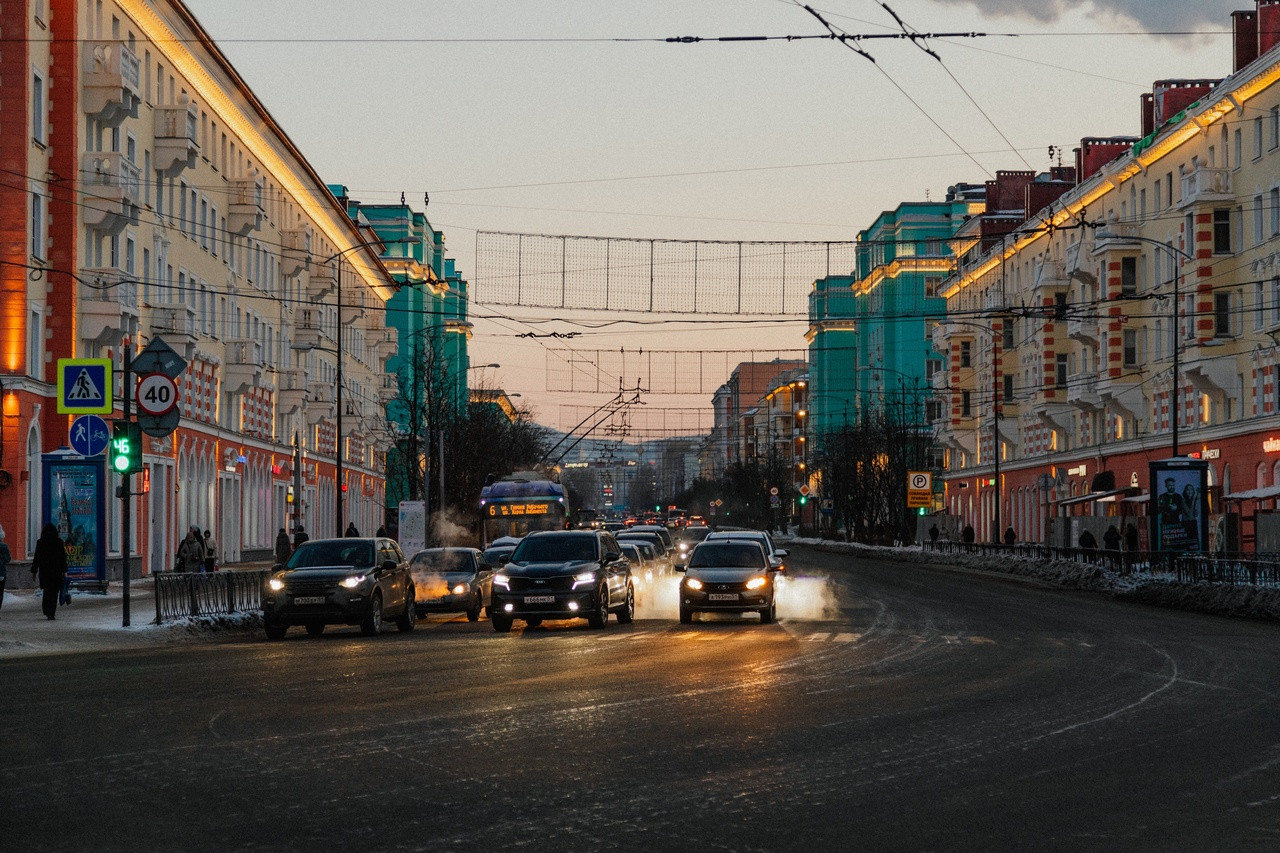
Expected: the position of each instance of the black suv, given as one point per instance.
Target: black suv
(564, 574)
(348, 581)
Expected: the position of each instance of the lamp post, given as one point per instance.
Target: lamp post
(336, 259)
(1175, 400)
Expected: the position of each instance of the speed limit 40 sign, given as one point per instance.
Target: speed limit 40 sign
(157, 394)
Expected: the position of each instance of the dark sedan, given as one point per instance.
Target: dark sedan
(450, 580)
(562, 574)
(348, 581)
(728, 576)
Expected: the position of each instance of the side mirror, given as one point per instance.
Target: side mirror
(782, 552)
(611, 556)
(680, 567)
(504, 559)
(388, 565)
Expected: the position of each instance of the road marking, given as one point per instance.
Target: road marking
(848, 638)
(819, 637)
(982, 641)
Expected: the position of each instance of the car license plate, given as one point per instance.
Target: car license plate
(722, 596)
(539, 599)
(436, 600)
(308, 599)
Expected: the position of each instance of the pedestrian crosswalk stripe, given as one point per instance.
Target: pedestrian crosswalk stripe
(819, 637)
(847, 638)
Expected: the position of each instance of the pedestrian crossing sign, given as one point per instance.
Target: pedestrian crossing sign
(84, 386)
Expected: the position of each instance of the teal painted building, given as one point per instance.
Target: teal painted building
(870, 334)
(429, 313)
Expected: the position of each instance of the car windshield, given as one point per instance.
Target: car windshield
(442, 561)
(332, 553)
(741, 536)
(652, 539)
(494, 554)
(695, 534)
(555, 549)
(738, 555)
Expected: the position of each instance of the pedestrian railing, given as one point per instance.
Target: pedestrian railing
(1229, 568)
(182, 594)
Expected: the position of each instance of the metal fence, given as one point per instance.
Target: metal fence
(1231, 568)
(181, 594)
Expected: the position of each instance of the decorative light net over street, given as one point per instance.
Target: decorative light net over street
(665, 276)
(698, 372)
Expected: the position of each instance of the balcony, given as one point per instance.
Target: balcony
(291, 390)
(295, 251)
(176, 322)
(246, 212)
(389, 389)
(1052, 276)
(1084, 392)
(320, 405)
(320, 283)
(1084, 329)
(243, 369)
(177, 139)
(109, 306)
(306, 335)
(351, 313)
(112, 83)
(1055, 415)
(112, 191)
(1203, 185)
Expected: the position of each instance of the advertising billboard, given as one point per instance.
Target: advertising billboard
(1179, 505)
(73, 502)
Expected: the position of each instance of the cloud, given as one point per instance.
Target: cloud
(1150, 15)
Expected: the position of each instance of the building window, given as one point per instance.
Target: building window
(1257, 220)
(1006, 338)
(37, 226)
(1257, 138)
(966, 354)
(1259, 305)
(37, 108)
(1222, 231)
(1128, 276)
(1008, 388)
(1275, 211)
(1060, 372)
(1059, 306)
(35, 345)
(1130, 347)
(966, 403)
(1275, 128)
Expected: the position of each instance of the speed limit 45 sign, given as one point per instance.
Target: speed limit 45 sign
(157, 394)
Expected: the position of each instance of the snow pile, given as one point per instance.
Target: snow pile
(1220, 599)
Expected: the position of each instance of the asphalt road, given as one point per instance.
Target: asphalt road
(927, 710)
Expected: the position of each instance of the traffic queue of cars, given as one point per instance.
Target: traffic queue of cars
(546, 575)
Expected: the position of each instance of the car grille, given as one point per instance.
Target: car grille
(310, 587)
(561, 583)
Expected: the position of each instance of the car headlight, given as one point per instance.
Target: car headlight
(502, 580)
(583, 579)
(756, 583)
(353, 581)
(461, 589)
(276, 584)
(693, 583)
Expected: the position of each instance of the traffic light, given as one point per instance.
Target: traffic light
(804, 499)
(126, 447)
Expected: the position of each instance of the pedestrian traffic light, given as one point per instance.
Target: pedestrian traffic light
(126, 447)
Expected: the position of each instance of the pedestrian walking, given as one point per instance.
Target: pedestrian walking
(351, 529)
(933, 534)
(210, 553)
(967, 536)
(299, 536)
(5, 558)
(49, 566)
(1010, 536)
(382, 531)
(191, 551)
(283, 548)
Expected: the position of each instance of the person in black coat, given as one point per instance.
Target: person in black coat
(50, 565)
(283, 548)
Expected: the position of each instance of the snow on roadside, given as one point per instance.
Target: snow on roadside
(1218, 599)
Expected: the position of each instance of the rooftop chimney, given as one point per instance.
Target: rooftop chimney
(1244, 25)
(1268, 25)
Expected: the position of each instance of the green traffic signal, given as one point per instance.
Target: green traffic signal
(804, 499)
(126, 447)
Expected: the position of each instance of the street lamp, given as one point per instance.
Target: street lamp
(482, 366)
(1175, 399)
(335, 258)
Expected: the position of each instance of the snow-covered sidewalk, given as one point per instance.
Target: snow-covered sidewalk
(95, 622)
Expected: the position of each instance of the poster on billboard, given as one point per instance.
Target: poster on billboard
(1180, 505)
(73, 503)
(412, 530)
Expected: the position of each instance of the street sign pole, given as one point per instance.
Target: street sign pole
(126, 478)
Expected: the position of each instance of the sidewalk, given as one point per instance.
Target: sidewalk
(95, 622)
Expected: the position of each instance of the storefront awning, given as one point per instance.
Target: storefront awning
(1255, 494)
(1094, 496)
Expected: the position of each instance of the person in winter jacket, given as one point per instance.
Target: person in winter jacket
(5, 557)
(191, 551)
(49, 565)
(210, 553)
(283, 548)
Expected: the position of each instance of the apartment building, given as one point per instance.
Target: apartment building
(149, 194)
